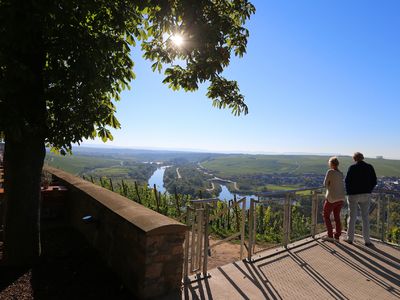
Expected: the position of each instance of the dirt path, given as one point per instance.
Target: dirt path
(177, 173)
(212, 187)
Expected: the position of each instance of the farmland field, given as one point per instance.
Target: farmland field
(230, 165)
(77, 164)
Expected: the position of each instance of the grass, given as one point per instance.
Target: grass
(229, 165)
(273, 187)
(76, 164)
(111, 172)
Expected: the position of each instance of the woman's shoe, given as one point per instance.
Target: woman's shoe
(327, 239)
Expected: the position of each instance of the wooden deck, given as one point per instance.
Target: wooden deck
(312, 269)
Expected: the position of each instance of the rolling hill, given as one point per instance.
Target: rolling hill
(228, 165)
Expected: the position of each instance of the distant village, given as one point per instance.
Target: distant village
(316, 180)
(389, 183)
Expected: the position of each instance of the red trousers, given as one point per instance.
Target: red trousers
(328, 209)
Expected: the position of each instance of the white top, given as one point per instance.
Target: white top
(334, 186)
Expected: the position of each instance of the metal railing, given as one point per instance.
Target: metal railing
(297, 213)
(287, 199)
(198, 216)
(384, 216)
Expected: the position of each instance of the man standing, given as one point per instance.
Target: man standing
(360, 181)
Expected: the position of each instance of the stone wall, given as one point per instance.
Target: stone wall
(143, 247)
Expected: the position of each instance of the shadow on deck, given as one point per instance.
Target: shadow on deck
(313, 270)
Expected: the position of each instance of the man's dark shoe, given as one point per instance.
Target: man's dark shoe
(369, 244)
(348, 241)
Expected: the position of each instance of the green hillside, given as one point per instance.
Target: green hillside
(76, 164)
(224, 165)
(295, 164)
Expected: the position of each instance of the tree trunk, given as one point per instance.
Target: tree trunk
(23, 166)
(25, 130)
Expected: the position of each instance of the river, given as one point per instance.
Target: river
(158, 179)
(227, 195)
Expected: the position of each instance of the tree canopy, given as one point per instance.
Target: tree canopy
(64, 63)
(76, 55)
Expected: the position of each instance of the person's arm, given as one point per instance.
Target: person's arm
(348, 179)
(373, 178)
(327, 179)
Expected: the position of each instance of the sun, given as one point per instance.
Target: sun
(177, 39)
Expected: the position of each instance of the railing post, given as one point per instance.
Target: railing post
(388, 212)
(242, 226)
(189, 242)
(193, 240)
(379, 220)
(205, 253)
(314, 213)
(186, 255)
(254, 239)
(186, 258)
(290, 216)
(199, 237)
(251, 223)
(286, 221)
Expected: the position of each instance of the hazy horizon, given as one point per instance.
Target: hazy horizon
(110, 147)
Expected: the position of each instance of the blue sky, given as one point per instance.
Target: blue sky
(319, 77)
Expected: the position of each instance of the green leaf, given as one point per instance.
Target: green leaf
(131, 41)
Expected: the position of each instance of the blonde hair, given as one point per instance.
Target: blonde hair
(358, 156)
(334, 161)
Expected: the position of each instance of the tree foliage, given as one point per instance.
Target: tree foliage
(77, 55)
(64, 63)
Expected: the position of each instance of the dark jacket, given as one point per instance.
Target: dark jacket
(360, 178)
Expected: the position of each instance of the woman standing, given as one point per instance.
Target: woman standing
(335, 196)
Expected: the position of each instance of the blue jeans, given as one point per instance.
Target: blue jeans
(363, 201)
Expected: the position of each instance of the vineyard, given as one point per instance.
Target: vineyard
(227, 216)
